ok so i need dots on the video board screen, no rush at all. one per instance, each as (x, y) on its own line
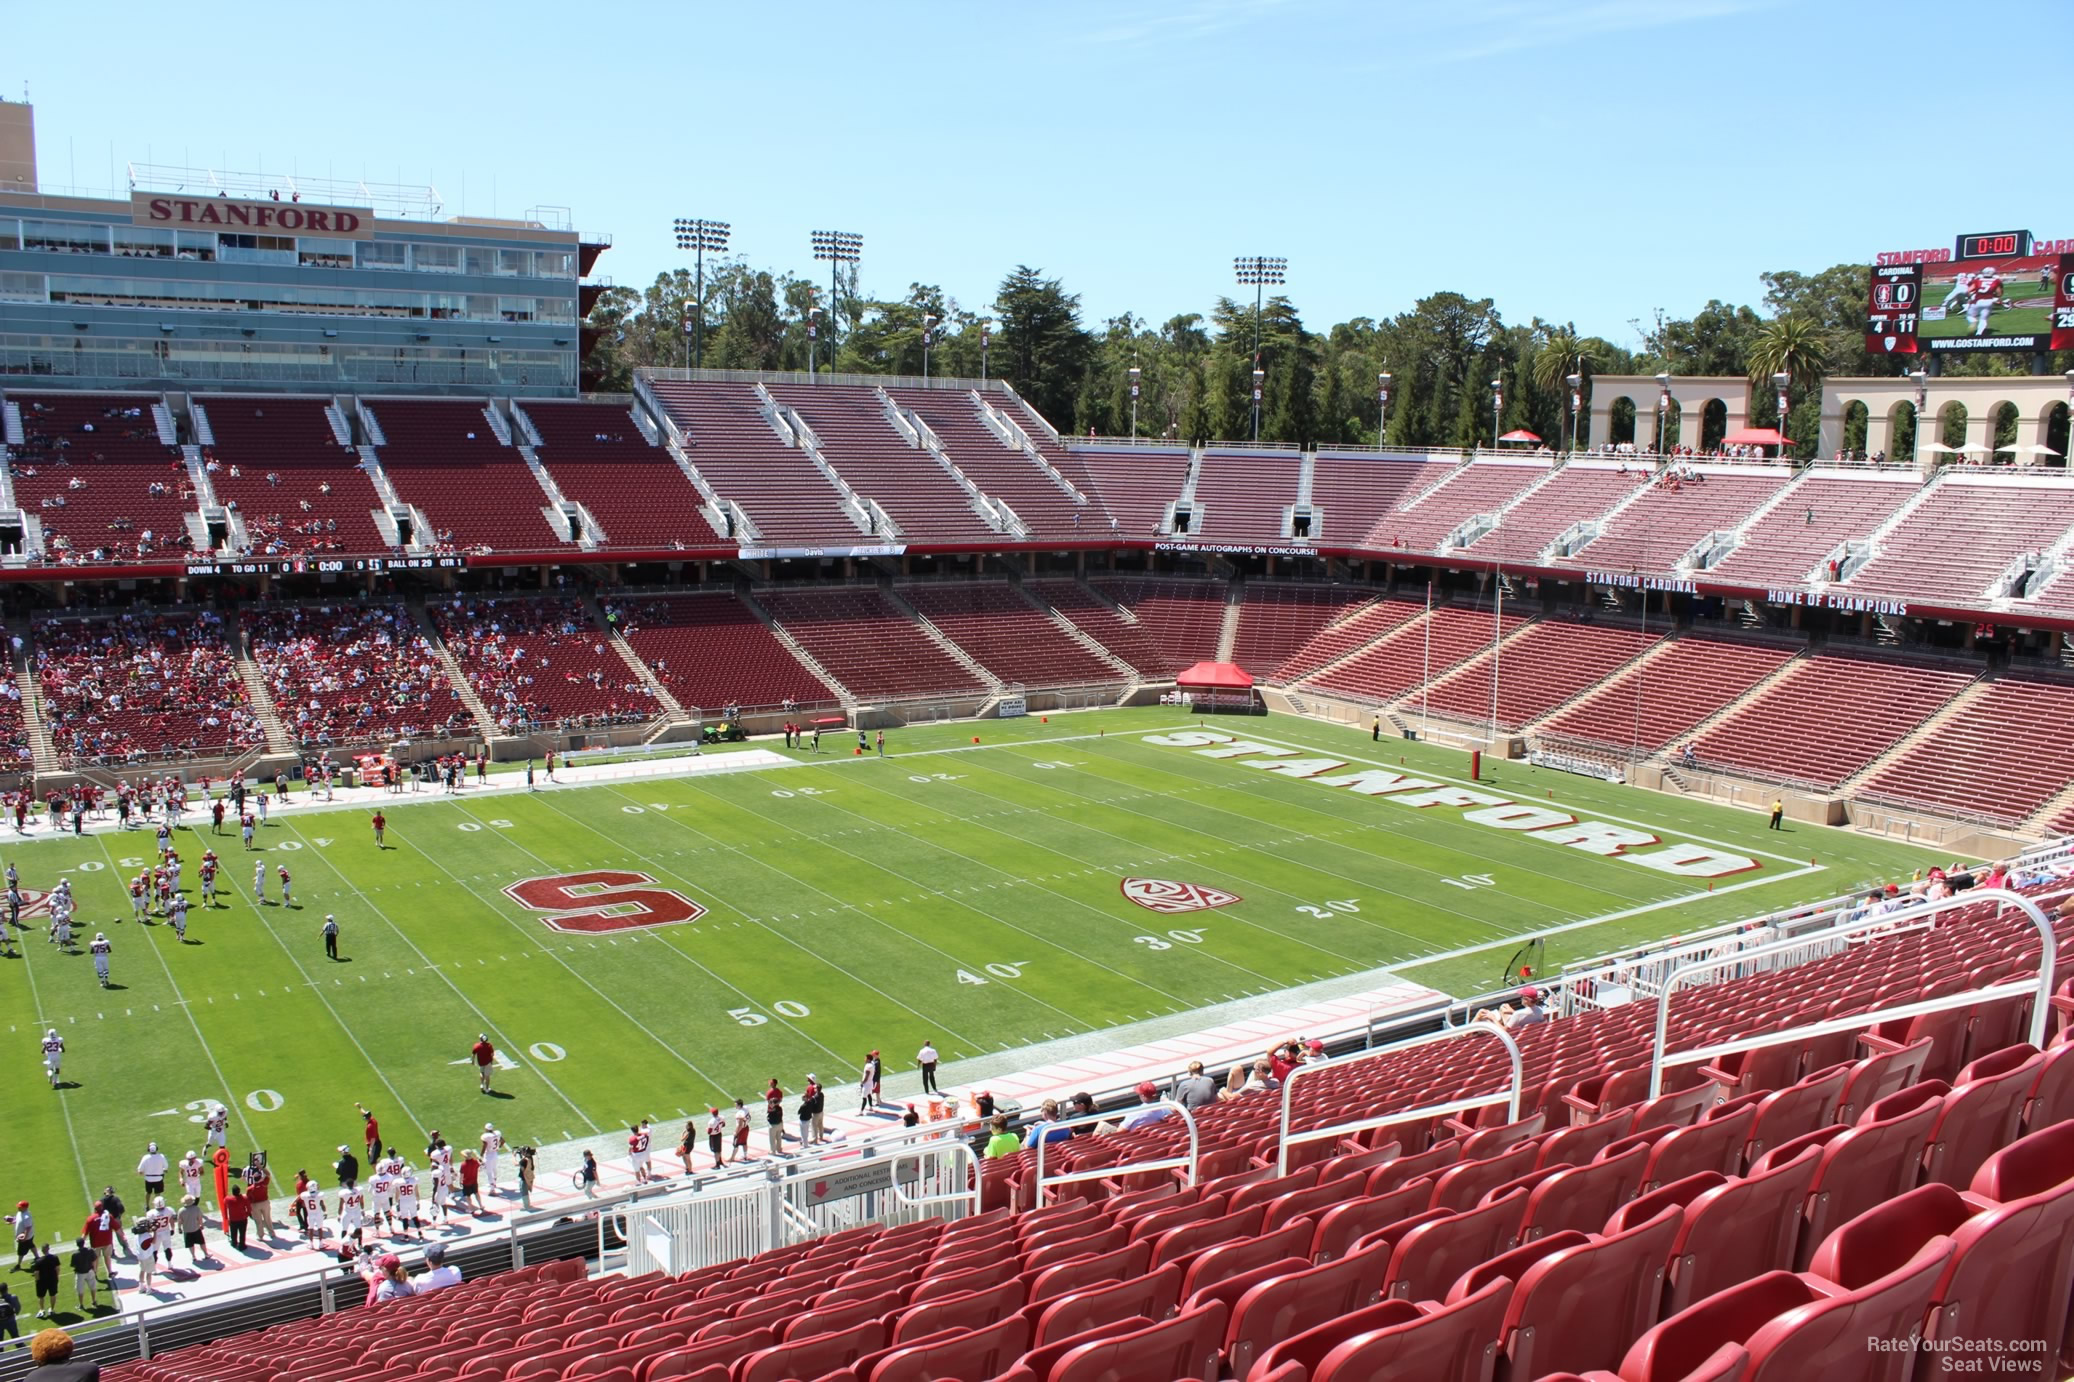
(1996, 291)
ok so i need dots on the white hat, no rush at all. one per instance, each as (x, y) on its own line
(489, 1127)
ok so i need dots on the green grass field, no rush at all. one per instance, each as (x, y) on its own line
(965, 894)
(2032, 319)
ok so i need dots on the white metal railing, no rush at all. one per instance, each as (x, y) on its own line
(1288, 1137)
(1880, 925)
(1178, 1162)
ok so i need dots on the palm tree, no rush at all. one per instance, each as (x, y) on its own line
(1792, 346)
(1561, 353)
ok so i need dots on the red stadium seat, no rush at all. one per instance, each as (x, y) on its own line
(1185, 1346)
(1581, 1306)
(1456, 1342)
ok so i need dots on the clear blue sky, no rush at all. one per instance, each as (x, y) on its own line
(1592, 161)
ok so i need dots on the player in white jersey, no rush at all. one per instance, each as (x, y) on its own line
(381, 1195)
(53, 1055)
(313, 1212)
(216, 1127)
(637, 1152)
(140, 898)
(165, 839)
(191, 1169)
(1961, 290)
(1984, 298)
(351, 1212)
(492, 1145)
(259, 882)
(407, 1200)
(180, 916)
(102, 950)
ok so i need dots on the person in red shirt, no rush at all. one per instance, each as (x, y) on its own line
(100, 1236)
(372, 1132)
(471, 1180)
(485, 1059)
(380, 822)
(237, 1213)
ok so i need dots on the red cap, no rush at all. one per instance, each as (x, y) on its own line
(1147, 1090)
(1314, 1045)
(1530, 995)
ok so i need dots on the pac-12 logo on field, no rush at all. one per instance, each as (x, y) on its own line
(1165, 895)
(598, 901)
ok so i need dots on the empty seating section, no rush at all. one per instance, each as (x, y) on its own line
(2002, 758)
(712, 651)
(635, 491)
(1276, 620)
(1581, 490)
(342, 674)
(541, 662)
(1184, 617)
(1789, 544)
(1408, 656)
(1135, 486)
(907, 482)
(477, 493)
(124, 688)
(867, 644)
(92, 470)
(1350, 494)
(1241, 496)
(278, 463)
(1828, 716)
(1546, 665)
(1335, 641)
(734, 447)
(1481, 487)
(1589, 1236)
(1655, 531)
(1099, 620)
(1010, 476)
(1955, 543)
(1659, 701)
(1002, 632)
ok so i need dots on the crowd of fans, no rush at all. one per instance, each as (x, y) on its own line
(58, 441)
(118, 689)
(342, 675)
(542, 663)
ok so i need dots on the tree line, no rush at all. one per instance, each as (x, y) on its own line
(1319, 387)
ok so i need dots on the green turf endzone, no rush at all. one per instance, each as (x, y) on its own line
(965, 893)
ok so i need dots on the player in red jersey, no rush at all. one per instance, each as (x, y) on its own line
(1983, 298)
(380, 823)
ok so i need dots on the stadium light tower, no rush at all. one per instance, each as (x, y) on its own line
(1134, 402)
(1576, 383)
(698, 236)
(986, 335)
(1497, 404)
(1382, 417)
(1257, 271)
(928, 333)
(813, 321)
(1663, 408)
(838, 247)
(1779, 382)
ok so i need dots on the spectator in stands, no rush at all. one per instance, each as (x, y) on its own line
(391, 1281)
(1000, 1141)
(1047, 1127)
(437, 1275)
(51, 1352)
(1148, 1111)
(1258, 1079)
(1195, 1090)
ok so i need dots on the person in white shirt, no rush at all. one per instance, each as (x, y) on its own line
(217, 1127)
(381, 1195)
(313, 1212)
(492, 1144)
(351, 1213)
(153, 1169)
(926, 1058)
(53, 1055)
(437, 1275)
(191, 1175)
(407, 1216)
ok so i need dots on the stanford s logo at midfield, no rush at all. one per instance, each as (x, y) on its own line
(598, 901)
(1165, 895)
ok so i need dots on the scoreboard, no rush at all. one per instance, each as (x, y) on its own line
(1994, 290)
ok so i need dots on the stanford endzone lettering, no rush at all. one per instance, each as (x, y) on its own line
(1531, 821)
(223, 213)
(601, 901)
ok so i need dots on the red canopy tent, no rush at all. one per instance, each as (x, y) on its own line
(1520, 434)
(1756, 436)
(1215, 676)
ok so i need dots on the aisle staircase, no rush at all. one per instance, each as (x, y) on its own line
(43, 749)
(278, 739)
(793, 646)
(485, 725)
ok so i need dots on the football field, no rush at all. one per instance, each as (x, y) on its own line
(646, 947)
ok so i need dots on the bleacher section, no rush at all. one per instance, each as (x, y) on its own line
(1002, 633)
(1655, 531)
(271, 458)
(1545, 666)
(859, 441)
(1829, 716)
(1969, 528)
(1241, 496)
(1136, 486)
(1450, 637)
(1788, 545)
(1183, 617)
(133, 688)
(635, 491)
(14, 731)
(2001, 760)
(1337, 640)
(1812, 1208)
(712, 651)
(1657, 703)
(353, 674)
(477, 493)
(1581, 490)
(1010, 476)
(734, 447)
(1351, 493)
(540, 662)
(93, 469)
(868, 645)
(1276, 620)
(1096, 618)
(1481, 487)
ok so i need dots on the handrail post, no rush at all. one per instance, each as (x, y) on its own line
(1286, 1134)
(1910, 916)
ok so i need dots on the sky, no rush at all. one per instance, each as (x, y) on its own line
(1593, 162)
